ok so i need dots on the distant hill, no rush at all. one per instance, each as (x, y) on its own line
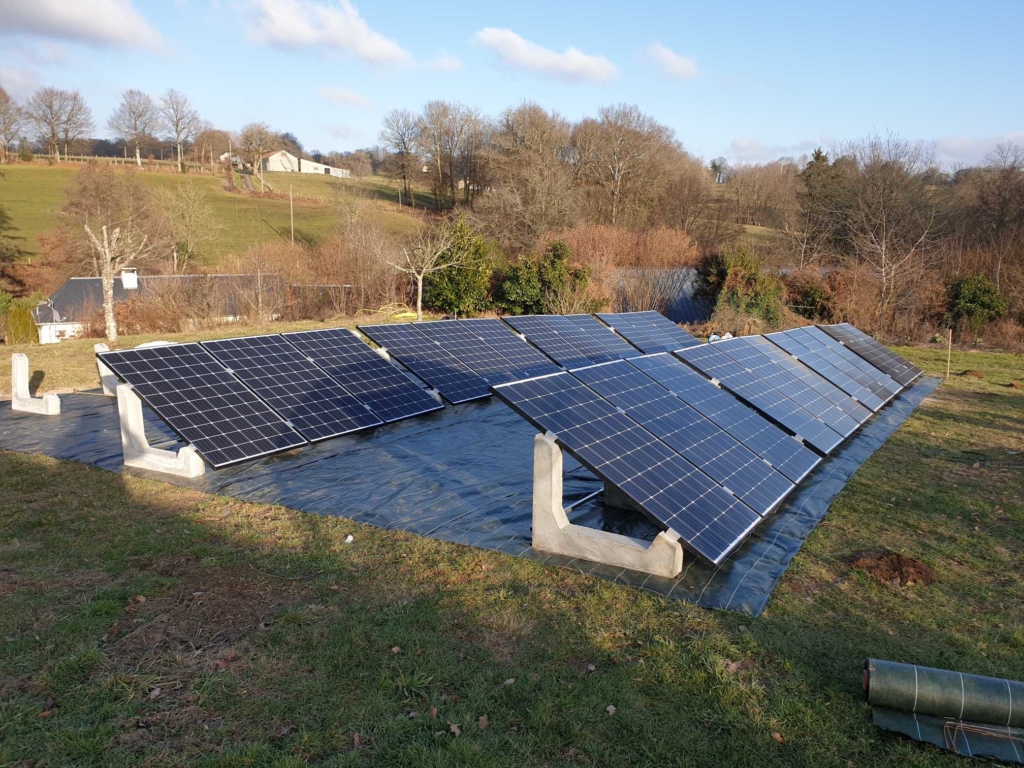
(34, 193)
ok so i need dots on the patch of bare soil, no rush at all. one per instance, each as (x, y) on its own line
(895, 569)
(1015, 385)
(972, 374)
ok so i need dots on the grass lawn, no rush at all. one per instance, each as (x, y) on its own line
(144, 623)
(33, 195)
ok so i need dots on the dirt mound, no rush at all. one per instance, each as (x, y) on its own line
(894, 568)
(1015, 385)
(972, 374)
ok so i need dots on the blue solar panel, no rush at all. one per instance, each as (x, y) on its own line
(879, 355)
(745, 424)
(697, 439)
(462, 339)
(878, 382)
(649, 331)
(597, 341)
(553, 335)
(291, 384)
(201, 401)
(390, 394)
(668, 488)
(429, 360)
(735, 377)
(511, 346)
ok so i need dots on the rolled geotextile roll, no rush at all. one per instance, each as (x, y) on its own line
(943, 693)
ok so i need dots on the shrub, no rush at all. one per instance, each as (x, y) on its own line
(975, 301)
(548, 283)
(736, 281)
(517, 289)
(463, 287)
(808, 296)
(21, 328)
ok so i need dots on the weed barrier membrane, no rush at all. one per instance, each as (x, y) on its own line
(465, 474)
(967, 714)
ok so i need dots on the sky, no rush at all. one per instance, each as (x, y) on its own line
(749, 81)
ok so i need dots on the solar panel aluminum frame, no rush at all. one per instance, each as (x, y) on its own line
(725, 554)
(109, 359)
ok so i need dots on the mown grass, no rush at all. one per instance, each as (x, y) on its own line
(34, 194)
(264, 639)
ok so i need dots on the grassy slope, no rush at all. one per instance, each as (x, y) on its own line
(33, 195)
(265, 639)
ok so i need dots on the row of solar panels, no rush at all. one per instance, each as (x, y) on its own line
(238, 399)
(710, 439)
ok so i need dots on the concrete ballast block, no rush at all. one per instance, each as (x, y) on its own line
(137, 450)
(21, 396)
(552, 531)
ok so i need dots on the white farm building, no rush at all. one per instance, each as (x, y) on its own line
(289, 163)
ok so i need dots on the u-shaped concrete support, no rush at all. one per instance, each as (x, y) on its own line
(108, 380)
(552, 531)
(21, 396)
(136, 448)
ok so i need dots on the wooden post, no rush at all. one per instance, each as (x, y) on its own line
(949, 352)
(291, 212)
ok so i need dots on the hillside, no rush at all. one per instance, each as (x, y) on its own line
(34, 193)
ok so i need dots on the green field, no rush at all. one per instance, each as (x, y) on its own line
(33, 196)
(144, 623)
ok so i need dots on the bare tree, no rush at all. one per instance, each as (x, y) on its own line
(424, 256)
(181, 120)
(442, 128)
(255, 141)
(399, 137)
(114, 211)
(77, 122)
(11, 119)
(47, 112)
(190, 220)
(135, 120)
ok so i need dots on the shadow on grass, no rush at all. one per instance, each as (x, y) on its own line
(264, 638)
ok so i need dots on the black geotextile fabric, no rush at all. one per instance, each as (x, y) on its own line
(465, 474)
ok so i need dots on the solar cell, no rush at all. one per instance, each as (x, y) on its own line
(390, 393)
(429, 360)
(700, 441)
(828, 365)
(879, 355)
(735, 377)
(554, 335)
(649, 331)
(779, 449)
(597, 340)
(201, 401)
(668, 488)
(294, 386)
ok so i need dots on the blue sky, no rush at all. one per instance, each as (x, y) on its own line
(751, 81)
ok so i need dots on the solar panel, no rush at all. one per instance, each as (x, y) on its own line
(649, 331)
(668, 488)
(809, 378)
(390, 393)
(877, 381)
(597, 341)
(201, 401)
(554, 335)
(828, 365)
(700, 441)
(294, 386)
(461, 339)
(879, 355)
(735, 377)
(511, 346)
(785, 382)
(429, 360)
(779, 449)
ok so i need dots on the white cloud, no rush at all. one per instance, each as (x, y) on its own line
(573, 65)
(445, 62)
(744, 150)
(114, 23)
(346, 132)
(345, 96)
(956, 150)
(674, 64)
(18, 82)
(333, 25)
